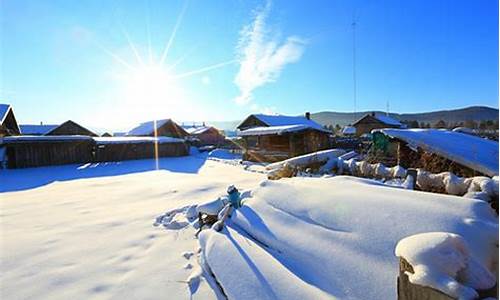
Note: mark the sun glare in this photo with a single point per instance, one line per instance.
(150, 82)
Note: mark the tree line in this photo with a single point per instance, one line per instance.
(481, 125)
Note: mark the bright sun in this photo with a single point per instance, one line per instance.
(150, 83)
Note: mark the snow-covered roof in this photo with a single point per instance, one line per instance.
(464, 130)
(43, 138)
(280, 120)
(147, 127)
(387, 120)
(4, 109)
(196, 129)
(136, 139)
(37, 129)
(471, 151)
(98, 140)
(272, 130)
(349, 130)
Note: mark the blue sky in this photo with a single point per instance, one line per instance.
(98, 62)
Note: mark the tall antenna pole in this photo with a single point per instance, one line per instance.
(387, 108)
(354, 64)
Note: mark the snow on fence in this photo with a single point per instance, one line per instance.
(338, 162)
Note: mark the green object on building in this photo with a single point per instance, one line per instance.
(380, 142)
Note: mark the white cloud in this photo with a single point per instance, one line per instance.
(262, 56)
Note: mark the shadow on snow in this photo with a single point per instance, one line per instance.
(23, 179)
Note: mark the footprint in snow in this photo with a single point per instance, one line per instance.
(187, 254)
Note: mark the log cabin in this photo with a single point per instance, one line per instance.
(436, 151)
(270, 138)
(67, 128)
(373, 121)
(8, 122)
(206, 135)
(165, 127)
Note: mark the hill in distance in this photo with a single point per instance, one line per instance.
(475, 113)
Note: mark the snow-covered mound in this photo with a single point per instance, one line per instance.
(443, 261)
(333, 236)
(223, 154)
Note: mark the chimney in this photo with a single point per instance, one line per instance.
(203, 123)
(373, 114)
(41, 123)
(308, 115)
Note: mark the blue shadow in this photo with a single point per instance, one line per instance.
(23, 179)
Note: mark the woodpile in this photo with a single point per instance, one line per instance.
(338, 162)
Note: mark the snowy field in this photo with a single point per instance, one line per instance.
(86, 232)
(73, 232)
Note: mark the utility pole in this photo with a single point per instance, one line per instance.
(354, 64)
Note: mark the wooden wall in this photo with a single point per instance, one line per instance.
(37, 154)
(9, 125)
(271, 148)
(128, 151)
(171, 129)
(211, 137)
(48, 153)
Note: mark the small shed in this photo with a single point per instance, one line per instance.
(269, 138)
(8, 122)
(127, 148)
(438, 150)
(373, 121)
(36, 151)
(165, 127)
(207, 135)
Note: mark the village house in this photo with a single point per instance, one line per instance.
(8, 123)
(375, 121)
(275, 137)
(436, 150)
(165, 127)
(67, 128)
(205, 135)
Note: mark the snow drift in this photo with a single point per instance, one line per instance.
(334, 236)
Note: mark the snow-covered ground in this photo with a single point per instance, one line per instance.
(87, 232)
(73, 232)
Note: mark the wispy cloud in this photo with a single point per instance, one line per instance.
(262, 56)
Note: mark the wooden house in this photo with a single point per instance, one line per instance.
(70, 128)
(373, 121)
(436, 151)
(205, 135)
(271, 138)
(8, 122)
(67, 128)
(165, 127)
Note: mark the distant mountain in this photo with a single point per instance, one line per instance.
(475, 113)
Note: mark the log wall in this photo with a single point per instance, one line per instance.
(48, 153)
